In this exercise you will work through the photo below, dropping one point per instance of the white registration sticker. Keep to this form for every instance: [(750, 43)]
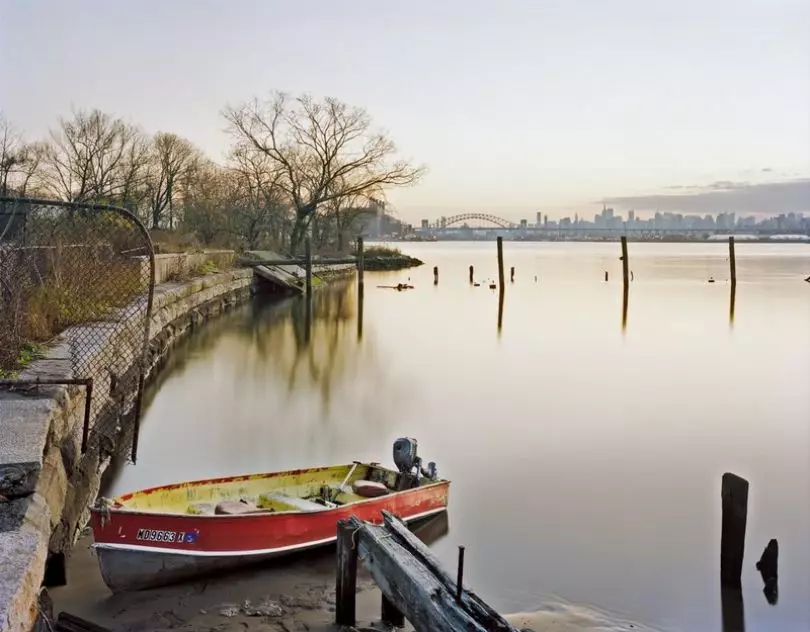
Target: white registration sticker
[(156, 535)]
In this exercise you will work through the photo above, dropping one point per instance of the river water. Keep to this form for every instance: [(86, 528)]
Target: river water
[(585, 447)]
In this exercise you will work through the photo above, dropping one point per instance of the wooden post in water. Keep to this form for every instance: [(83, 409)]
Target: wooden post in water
[(360, 260), (625, 262), (346, 583), (732, 260), (308, 267), (390, 614), (734, 494), (512, 274), (500, 262), (472, 274), (435, 275)]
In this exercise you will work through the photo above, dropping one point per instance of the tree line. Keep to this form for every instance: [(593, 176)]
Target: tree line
[(295, 166)]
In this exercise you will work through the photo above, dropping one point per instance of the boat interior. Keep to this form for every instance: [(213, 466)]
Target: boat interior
[(295, 491)]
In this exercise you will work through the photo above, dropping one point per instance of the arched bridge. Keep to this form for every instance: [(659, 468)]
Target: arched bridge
[(465, 217)]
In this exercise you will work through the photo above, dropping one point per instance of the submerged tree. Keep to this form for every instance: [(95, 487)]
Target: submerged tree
[(322, 150)]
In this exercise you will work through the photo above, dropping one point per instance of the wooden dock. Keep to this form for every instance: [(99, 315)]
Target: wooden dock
[(414, 586)]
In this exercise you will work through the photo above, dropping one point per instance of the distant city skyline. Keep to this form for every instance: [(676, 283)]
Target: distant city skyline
[(513, 106)]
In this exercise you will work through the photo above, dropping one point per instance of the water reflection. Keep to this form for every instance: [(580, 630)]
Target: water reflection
[(733, 610), (500, 309), (732, 296), (360, 295), (557, 468), (625, 299)]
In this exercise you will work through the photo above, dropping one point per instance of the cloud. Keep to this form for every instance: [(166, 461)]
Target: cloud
[(791, 196)]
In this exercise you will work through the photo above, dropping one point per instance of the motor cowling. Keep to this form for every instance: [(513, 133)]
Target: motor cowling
[(405, 454)]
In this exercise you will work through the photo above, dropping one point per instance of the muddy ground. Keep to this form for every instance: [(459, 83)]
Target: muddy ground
[(292, 595)]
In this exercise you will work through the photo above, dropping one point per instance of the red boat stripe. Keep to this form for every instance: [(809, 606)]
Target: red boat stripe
[(281, 549)]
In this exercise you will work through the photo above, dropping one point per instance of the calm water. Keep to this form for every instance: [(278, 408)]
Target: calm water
[(585, 456)]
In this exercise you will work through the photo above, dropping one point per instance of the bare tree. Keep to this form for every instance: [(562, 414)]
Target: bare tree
[(93, 157), (323, 150), (260, 209), (18, 160), (173, 159)]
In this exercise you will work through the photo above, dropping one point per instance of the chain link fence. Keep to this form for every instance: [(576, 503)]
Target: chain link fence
[(76, 284)]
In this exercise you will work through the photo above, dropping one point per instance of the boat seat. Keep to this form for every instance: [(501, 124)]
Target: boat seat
[(236, 508), (300, 504)]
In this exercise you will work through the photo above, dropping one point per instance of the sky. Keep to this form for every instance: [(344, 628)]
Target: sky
[(514, 107)]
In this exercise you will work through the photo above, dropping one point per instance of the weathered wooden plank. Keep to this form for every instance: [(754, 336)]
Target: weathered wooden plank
[(479, 610), (409, 585)]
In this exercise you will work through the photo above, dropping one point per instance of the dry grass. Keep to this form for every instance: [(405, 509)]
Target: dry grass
[(46, 291)]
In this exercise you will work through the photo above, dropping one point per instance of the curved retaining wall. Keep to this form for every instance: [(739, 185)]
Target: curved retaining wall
[(46, 486)]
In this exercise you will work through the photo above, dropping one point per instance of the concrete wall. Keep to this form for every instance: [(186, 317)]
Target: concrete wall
[(172, 267), (46, 484)]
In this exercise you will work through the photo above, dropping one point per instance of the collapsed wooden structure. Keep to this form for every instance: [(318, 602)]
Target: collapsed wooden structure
[(414, 586)]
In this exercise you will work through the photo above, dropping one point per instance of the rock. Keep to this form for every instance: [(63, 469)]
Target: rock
[(229, 610), (266, 608)]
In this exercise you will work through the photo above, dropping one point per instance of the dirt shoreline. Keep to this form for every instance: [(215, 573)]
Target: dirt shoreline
[(292, 595)]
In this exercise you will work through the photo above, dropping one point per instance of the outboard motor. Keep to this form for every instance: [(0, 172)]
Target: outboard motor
[(406, 459)]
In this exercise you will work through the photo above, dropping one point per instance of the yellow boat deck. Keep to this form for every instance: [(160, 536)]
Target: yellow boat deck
[(297, 490)]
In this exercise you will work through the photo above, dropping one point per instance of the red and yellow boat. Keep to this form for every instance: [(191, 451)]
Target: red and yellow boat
[(175, 532)]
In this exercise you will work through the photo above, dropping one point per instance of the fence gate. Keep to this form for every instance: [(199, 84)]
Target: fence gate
[(77, 282)]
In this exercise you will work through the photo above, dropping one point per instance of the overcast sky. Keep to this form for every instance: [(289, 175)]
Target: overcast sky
[(515, 107)]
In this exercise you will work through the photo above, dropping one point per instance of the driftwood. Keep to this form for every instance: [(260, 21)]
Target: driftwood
[(69, 623), (414, 584)]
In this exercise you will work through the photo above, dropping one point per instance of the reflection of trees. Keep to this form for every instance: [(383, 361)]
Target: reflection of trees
[(273, 343), (316, 351)]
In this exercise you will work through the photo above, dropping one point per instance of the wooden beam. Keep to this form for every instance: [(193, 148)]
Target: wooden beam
[(411, 587), (480, 611)]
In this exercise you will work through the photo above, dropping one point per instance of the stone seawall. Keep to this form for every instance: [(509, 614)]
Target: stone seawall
[(46, 483)]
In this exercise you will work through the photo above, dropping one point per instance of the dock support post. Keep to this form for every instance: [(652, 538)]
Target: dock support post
[(732, 261), (472, 273), (500, 262), (346, 583), (308, 264), (435, 275), (512, 274), (360, 261), (390, 614), (625, 262), (734, 494)]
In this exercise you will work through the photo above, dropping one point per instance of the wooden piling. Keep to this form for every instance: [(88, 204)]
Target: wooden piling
[(435, 275), (360, 260), (606, 275), (732, 260), (346, 584), (472, 274), (500, 262), (734, 494), (308, 267), (625, 262), (512, 274), (390, 614)]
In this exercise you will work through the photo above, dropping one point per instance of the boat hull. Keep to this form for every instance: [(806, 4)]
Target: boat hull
[(139, 550)]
